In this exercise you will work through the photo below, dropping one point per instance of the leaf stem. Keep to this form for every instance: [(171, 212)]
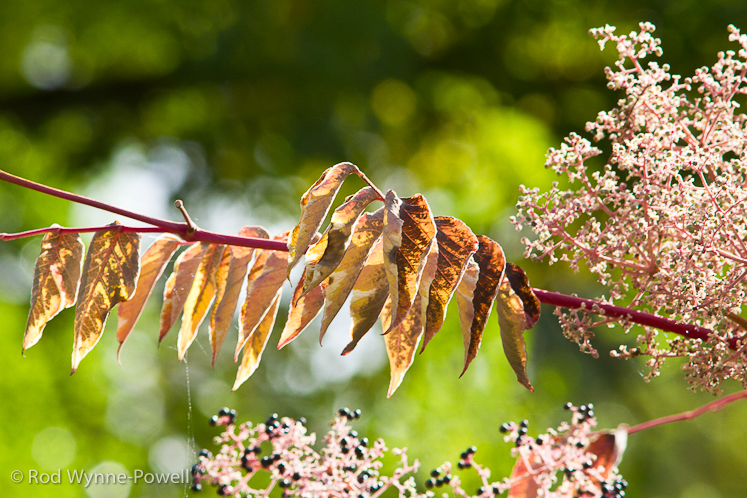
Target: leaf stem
[(709, 407)]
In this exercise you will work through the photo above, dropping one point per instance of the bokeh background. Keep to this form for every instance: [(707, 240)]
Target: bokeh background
[(236, 107)]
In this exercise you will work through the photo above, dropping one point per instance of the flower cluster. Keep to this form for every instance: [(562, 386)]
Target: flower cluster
[(663, 223), (350, 467)]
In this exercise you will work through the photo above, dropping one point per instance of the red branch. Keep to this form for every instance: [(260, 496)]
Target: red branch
[(709, 407), (191, 233)]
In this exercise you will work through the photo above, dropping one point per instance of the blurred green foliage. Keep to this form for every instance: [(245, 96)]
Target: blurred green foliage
[(237, 107)]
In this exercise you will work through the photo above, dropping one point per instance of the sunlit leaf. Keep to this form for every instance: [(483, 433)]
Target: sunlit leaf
[(512, 321), (520, 284), (366, 232), (324, 256), (229, 288), (491, 263), (303, 309), (108, 277), (152, 264), (56, 279), (401, 342), (456, 244), (256, 344), (368, 296), (315, 204), (409, 232), (179, 284), (200, 296), (265, 283)]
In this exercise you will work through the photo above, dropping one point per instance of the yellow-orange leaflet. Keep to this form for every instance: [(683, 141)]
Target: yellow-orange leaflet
[(109, 276), (229, 287), (323, 257), (401, 342), (366, 232), (315, 204), (256, 344), (368, 297), (179, 284), (152, 264), (56, 279), (200, 296), (303, 309)]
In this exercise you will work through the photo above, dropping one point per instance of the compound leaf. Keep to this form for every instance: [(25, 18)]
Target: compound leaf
[(56, 279), (109, 276)]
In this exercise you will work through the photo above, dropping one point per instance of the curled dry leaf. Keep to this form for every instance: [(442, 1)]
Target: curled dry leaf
[(519, 281), (366, 232), (179, 284), (513, 323), (492, 264), (315, 204), (303, 309), (325, 255), (56, 279), (409, 232), (370, 293), (152, 264), (608, 446), (109, 276), (456, 245), (229, 288), (265, 284), (256, 344), (200, 296)]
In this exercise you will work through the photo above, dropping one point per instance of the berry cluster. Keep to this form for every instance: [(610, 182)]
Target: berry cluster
[(349, 465)]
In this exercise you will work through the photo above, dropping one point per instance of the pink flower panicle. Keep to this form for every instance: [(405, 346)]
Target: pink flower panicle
[(349, 467), (663, 224)]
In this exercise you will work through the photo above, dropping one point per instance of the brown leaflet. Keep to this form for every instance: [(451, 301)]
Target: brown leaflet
[(200, 296), (409, 232), (520, 284), (109, 275), (369, 294), (256, 345), (456, 245), (492, 263), (56, 279), (303, 309), (366, 232), (315, 204), (512, 321), (522, 477), (608, 446), (265, 283), (402, 342), (152, 264), (179, 284), (229, 288), (323, 257)]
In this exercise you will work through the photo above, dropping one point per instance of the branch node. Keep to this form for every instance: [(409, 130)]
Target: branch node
[(191, 227)]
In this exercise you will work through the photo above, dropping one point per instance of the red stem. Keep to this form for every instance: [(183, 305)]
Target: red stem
[(710, 407), (639, 317), (190, 233)]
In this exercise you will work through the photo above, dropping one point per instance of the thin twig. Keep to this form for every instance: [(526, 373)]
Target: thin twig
[(191, 224), (710, 407)]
